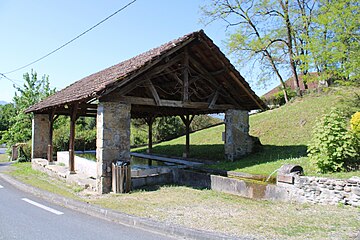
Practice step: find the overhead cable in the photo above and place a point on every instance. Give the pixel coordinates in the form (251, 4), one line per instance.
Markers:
(67, 43)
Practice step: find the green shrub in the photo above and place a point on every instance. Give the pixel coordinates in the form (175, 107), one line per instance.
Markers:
(24, 150)
(85, 139)
(355, 123)
(61, 138)
(279, 99)
(139, 134)
(333, 148)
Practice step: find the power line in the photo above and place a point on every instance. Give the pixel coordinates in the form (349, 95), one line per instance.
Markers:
(11, 80)
(67, 43)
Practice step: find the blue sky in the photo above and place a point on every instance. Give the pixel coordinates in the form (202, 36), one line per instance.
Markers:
(31, 29)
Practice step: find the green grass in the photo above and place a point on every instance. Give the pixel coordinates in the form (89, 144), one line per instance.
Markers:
(24, 173)
(213, 211)
(210, 210)
(292, 124)
(205, 144)
(4, 158)
(284, 133)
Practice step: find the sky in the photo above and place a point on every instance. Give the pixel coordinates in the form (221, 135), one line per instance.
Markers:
(32, 29)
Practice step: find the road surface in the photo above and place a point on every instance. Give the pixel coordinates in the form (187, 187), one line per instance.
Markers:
(24, 216)
(2, 150)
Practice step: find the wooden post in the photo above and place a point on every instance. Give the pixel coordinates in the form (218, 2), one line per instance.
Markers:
(149, 121)
(50, 146)
(73, 118)
(187, 121)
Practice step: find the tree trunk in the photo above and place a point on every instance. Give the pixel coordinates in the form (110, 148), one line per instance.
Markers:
(285, 7)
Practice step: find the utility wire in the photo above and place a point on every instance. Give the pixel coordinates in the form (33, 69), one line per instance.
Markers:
(11, 80)
(57, 49)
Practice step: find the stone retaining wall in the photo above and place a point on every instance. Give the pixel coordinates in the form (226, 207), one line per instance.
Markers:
(324, 191)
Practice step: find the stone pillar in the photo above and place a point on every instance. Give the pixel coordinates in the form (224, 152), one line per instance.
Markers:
(237, 140)
(112, 140)
(40, 135)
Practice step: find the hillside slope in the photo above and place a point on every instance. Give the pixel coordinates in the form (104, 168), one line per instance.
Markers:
(284, 132)
(292, 124)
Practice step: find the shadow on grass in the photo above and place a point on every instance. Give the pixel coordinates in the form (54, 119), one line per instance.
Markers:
(265, 154)
(215, 152)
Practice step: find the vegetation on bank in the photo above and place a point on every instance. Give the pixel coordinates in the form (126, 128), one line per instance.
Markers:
(24, 173)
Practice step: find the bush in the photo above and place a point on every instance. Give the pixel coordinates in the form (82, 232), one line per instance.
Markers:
(139, 134)
(169, 127)
(279, 99)
(24, 150)
(355, 123)
(333, 148)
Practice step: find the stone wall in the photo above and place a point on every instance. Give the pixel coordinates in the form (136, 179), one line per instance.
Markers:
(112, 140)
(324, 191)
(237, 139)
(40, 136)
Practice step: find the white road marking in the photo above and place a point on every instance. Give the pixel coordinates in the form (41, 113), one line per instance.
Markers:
(1, 186)
(42, 206)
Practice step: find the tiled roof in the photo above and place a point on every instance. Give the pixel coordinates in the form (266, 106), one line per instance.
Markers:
(100, 83)
(90, 86)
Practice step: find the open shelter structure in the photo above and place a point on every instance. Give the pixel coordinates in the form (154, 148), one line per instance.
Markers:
(184, 77)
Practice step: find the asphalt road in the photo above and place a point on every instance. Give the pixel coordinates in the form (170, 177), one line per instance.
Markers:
(24, 216)
(2, 150)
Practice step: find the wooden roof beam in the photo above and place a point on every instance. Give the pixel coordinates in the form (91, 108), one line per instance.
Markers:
(154, 92)
(210, 78)
(172, 103)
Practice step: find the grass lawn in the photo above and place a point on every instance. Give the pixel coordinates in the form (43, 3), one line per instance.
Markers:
(284, 133)
(213, 211)
(4, 158)
(205, 144)
(24, 173)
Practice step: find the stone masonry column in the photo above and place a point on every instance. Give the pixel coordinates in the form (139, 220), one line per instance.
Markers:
(112, 140)
(40, 136)
(237, 139)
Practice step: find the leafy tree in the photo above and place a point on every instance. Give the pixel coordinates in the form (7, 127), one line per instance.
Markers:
(7, 112)
(32, 91)
(301, 35)
(264, 34)
(335, 40)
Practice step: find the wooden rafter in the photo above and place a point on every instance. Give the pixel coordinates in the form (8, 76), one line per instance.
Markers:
(231, 73)
(214, 99)
(147, 68)
(154, 92)
(186, 76)
(210, 78)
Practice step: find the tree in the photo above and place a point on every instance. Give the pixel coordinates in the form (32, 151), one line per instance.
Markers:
(301, 35)
(32, 91)
(335, 44)
(7, 112)
(264, 34)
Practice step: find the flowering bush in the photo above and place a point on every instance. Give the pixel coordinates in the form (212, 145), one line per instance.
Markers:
(355, 123)
(333, 147)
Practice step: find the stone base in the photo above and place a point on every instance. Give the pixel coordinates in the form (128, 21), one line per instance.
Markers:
(238, 142)
(104, 185)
